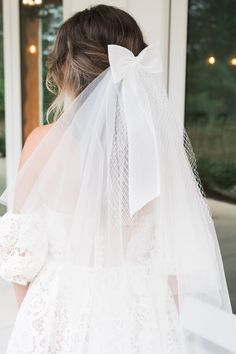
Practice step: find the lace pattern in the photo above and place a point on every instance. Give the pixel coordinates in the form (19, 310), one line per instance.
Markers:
(111, 314)
(23, 246)
(71, 309)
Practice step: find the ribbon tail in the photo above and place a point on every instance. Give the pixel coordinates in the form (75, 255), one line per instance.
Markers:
(144, 177)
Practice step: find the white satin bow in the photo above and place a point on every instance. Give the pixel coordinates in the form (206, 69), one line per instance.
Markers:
(144, 176)
(122, 59)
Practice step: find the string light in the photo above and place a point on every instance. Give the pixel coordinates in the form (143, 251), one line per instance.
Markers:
(233, 61)
(211, 60)
(32, 49)
(32, 2)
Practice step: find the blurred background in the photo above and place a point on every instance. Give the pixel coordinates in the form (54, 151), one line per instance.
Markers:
(198, 40)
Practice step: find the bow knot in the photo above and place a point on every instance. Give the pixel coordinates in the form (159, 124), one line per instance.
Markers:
(122, 60)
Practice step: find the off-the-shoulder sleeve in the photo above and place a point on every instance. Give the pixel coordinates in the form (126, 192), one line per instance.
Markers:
(23, 246)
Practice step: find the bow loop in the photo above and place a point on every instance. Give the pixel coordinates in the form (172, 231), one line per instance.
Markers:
(122, 59)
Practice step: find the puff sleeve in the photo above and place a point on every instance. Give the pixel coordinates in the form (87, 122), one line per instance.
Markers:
(23, 246)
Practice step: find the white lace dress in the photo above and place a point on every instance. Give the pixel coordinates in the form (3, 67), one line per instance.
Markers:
(58, 317)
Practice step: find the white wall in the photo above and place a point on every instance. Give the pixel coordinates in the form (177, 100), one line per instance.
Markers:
(12, 85)
(177, 56)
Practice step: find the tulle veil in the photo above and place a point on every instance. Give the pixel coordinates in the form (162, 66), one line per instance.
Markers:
(116, 169)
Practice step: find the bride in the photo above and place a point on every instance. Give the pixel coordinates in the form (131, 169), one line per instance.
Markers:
(108, 239)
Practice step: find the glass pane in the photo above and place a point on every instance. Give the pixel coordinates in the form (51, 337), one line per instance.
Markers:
(2, 115)
(211, 115)
(39, 21)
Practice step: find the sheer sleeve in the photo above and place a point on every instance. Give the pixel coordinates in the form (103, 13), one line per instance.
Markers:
(23, 246)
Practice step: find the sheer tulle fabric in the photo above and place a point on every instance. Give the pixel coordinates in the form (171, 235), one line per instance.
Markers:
(155, 244)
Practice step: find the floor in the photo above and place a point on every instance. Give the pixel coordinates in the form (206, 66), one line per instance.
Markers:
(224, 216)
(8, 311)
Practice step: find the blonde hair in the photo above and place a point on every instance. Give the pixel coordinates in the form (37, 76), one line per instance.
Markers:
(79, 53)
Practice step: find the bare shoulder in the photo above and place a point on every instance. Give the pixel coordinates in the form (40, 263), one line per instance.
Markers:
(32, 141)
(37, 134)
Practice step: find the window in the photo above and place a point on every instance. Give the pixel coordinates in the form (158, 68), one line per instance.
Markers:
(210, 115)
(39, 21)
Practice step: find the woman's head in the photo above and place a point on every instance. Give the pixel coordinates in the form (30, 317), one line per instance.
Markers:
(80, 50)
